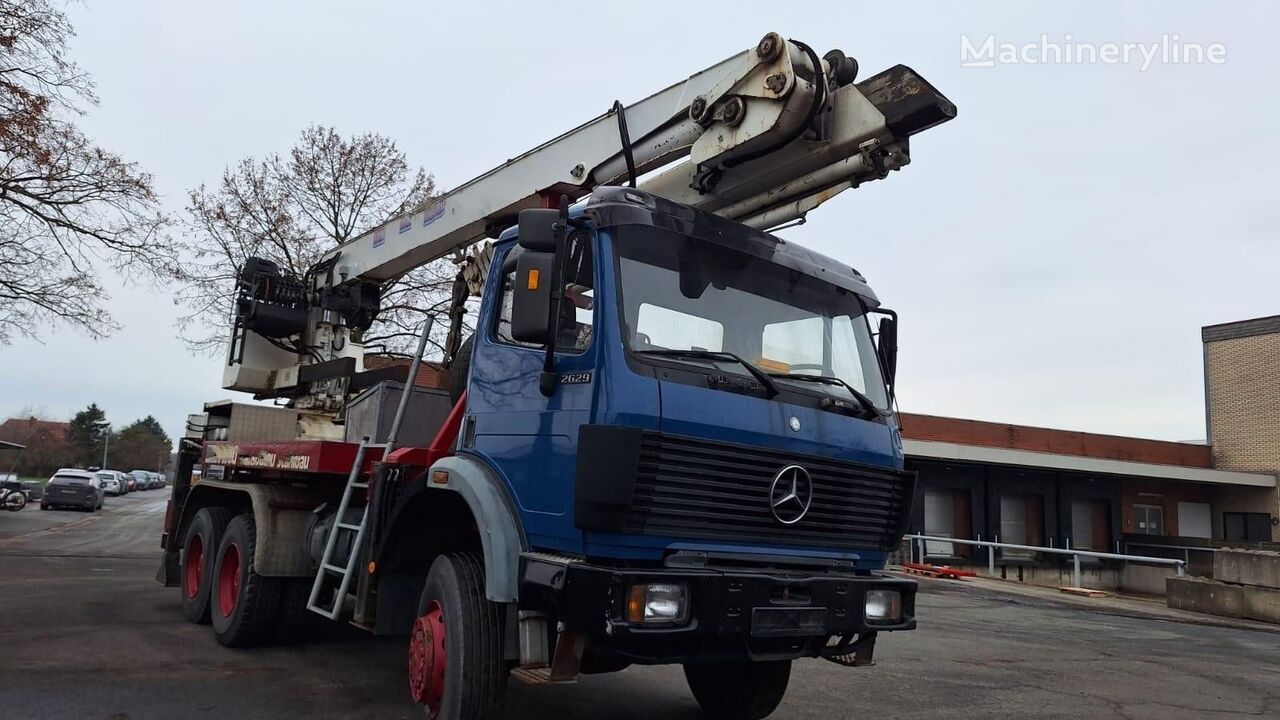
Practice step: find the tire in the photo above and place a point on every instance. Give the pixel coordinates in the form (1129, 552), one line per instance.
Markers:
(738, 690)
(44, 506)
(460, 369)
(475, 675)
(206, 529)
(244, 605)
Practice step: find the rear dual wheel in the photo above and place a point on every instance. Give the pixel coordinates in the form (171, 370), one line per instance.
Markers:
(244, 605)
(221, 587)
(199, 548)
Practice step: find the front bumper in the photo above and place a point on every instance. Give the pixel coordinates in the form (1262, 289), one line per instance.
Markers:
(734, 613)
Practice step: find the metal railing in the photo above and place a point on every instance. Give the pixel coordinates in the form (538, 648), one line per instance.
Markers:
(1186, 549)
(920, 540)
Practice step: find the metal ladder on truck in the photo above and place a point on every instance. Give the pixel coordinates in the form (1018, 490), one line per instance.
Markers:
(329, 569)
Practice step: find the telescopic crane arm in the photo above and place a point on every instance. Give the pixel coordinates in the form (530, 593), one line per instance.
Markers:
(762, 138)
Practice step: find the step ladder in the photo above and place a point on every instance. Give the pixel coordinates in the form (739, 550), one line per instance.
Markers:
(328, 566)
(329, 569)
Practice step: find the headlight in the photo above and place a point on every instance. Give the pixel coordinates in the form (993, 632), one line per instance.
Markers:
(658, 604)
(884, 606)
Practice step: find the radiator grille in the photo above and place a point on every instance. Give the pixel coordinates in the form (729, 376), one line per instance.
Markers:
(687, 487)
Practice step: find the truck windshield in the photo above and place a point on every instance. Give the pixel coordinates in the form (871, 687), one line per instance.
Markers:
(680, 293)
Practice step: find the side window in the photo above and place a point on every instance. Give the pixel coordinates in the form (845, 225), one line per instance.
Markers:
(578, 309)
(503, 331)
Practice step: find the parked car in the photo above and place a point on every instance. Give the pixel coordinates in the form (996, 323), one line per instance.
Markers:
(33, 489)
(160, 480)
(70, 487)
(144, 479)
(113, 482)
(132, 482)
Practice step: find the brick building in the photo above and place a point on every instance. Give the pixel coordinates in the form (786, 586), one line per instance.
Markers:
(1242, 413)
(1045, 487)
(430, 374)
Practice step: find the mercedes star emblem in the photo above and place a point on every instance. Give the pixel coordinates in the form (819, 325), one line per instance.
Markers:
(795, 423)
(790, 494)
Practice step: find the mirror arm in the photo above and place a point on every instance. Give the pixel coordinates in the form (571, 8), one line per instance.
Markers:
(547, 379)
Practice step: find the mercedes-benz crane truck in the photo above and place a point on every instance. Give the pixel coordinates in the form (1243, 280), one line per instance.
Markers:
(672, 435)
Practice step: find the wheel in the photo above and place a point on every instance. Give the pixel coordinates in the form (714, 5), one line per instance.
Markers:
(244, 604)
(43, 506)
(15, 501)
(455, 648)
(739, 690)
(93, 507)
(460, 369)
(199, 545)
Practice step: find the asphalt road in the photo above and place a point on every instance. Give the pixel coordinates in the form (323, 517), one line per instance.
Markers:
(86, 633)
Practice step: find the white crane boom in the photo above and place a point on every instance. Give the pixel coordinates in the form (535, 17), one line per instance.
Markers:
(761, 137)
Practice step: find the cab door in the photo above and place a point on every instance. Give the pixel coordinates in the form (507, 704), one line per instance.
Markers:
(528, 437)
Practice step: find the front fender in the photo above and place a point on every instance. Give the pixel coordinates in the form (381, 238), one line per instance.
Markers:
(501, 532)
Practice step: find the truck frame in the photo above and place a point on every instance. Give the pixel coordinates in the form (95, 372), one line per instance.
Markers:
(671, 439)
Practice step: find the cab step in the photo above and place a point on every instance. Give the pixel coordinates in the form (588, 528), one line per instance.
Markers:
(540, 676)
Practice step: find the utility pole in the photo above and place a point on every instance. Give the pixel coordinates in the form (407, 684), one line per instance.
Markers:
(105, 427)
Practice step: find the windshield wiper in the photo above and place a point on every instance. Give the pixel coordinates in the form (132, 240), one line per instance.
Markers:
(769, 385)
(867, 405)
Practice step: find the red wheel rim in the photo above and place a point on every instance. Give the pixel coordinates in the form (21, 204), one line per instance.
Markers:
(427, 659)
(195, 566)
(229, 580)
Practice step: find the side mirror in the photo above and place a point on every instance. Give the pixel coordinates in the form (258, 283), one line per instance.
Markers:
(531, 295)
(887, 348)
(538, 229)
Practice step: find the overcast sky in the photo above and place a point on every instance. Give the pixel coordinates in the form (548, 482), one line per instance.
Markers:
(1053, 251)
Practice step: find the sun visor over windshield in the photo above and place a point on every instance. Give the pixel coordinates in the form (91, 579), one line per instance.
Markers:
(616, 206)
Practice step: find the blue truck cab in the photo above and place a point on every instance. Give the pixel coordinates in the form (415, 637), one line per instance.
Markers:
(711, 469)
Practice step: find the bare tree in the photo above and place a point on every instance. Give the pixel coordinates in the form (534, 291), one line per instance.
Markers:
(68, 209)
(293, 209)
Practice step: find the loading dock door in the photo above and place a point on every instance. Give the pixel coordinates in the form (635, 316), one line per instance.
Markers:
(939, 520)
(1194, 520)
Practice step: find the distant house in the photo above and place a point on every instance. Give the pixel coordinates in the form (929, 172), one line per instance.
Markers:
(430, 374)
(46, 447)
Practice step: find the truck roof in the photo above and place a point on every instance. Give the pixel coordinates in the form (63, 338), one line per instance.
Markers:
(619, 206)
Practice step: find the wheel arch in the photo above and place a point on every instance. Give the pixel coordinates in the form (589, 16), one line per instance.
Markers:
(471, 499)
